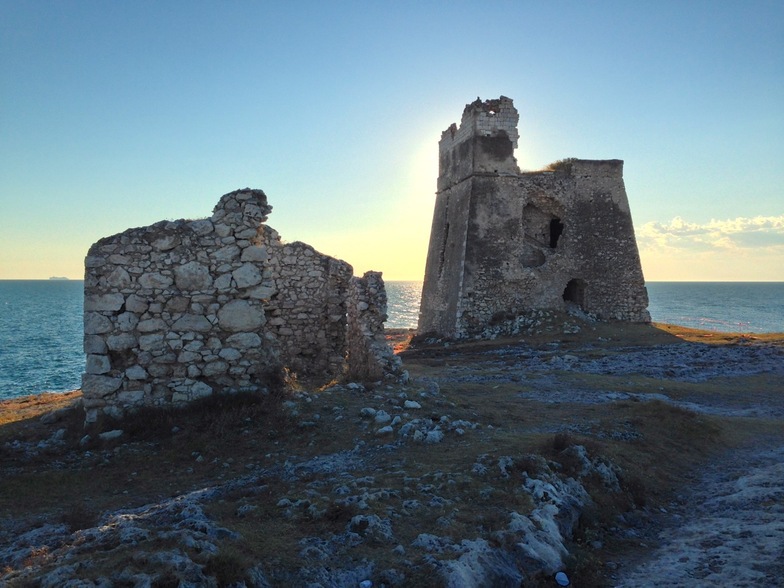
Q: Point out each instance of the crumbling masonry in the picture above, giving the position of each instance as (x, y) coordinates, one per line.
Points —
(184, 309)
(504, 243)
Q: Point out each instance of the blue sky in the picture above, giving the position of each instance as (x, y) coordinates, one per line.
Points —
(119, 114)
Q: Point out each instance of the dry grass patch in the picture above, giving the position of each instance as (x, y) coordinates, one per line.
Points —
(655, 446)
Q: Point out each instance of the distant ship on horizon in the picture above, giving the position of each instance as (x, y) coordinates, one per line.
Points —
(59, 278)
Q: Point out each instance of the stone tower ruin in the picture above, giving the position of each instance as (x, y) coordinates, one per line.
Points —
(504, 242)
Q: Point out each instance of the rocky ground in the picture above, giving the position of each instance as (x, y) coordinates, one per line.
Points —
(614, 454)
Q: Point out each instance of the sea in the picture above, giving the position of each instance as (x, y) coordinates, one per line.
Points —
(41, 322)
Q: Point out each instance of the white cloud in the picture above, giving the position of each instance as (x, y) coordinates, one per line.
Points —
(732, 234)
(722, 250)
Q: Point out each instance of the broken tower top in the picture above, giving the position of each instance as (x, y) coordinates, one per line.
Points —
(483, 143)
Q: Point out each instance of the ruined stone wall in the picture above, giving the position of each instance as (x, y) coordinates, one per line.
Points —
(304, 284)
(369, 356)
(184, 309)
(505, 243)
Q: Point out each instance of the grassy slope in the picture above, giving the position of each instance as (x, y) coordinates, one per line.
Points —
(224, 439)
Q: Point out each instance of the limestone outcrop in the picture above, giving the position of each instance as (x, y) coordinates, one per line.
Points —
(183, 309)
(505, 243)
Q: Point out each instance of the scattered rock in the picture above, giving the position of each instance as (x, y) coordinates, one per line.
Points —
(109, 435)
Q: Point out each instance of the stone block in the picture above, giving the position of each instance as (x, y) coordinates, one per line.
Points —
(119, 279)
(200, 390)
(225, 254)
(246, 275)
(222, 230)
(97, 364)
(192, 276)
(151, 342)
(136, 304)
(158, 370)
(230, 354)
(127, 321)
(96, 323)
(244, 340)
(92, 261)
(248, 233)
(97, 385)
(223, 282)
(130, 397)
(151, 325)
(254, 253)
(136, 372)
(240, 315)
(94, 344)
(188, 357)
(155, 280)
(118, 259)
(261, 292)
(201, 227)
(192, 322)
(178, 304)
(215, 368)
(166, 242)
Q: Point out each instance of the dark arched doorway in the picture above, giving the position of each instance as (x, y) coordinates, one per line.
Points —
(574, 293)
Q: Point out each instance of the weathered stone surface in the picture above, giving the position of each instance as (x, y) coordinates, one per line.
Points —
(192, 276)
(151, 342)
(255, 253)
(228, 253)
(136, 372)
(246, 275)
(119, 279)
(97, 364)
(166, 242)
(95, 323)
(223, 282)
(130, 397)
(151, 325)
(192, 322)
(214, 368)
(119, 259)
(240, 315)
(200, 390)
(261, 292)
(94, 261)
(178, 304)
(136, 304)
(201, 227)
(127, 321)
(121, 342)
(109, 435)
(244, 340)
(230, 354)
(504, 242)
(94, 344)
(155, 280)
(95, 385)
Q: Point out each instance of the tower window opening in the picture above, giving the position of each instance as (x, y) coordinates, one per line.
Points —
(556, 228)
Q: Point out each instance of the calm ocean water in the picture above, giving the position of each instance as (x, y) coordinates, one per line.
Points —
(41, 322)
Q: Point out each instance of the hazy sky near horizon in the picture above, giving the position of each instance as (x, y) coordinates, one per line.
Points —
(120, 114)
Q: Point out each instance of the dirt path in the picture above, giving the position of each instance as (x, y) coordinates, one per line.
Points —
(726, 531)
